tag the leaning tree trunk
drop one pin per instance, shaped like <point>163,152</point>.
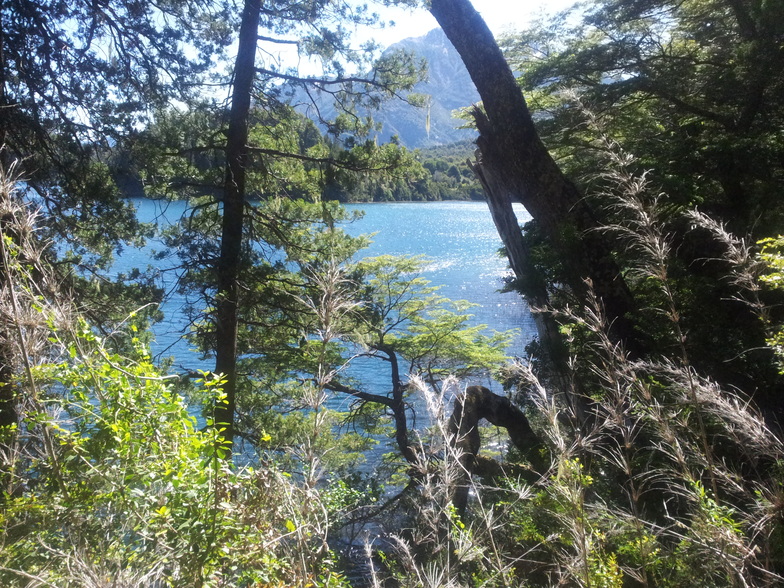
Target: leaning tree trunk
<point>518,254</point>
<point>522,170</point>
<point>229,261</point>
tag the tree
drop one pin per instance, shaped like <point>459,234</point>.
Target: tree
<point>228,262</point>
<point>402,322</point>
<point>692,92</point>
<point>636,69</point>
<point>346,318</point>
<point>78,77</point>
<point>386,78</point>
<point>693,89</point>
<point>120,481</point>
<point>267,152</point>
<point>515,166</point>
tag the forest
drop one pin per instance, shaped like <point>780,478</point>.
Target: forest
<point>638,438</point>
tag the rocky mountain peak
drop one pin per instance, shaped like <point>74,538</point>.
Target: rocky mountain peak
<point>449,87</point>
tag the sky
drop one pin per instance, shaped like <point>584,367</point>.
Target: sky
<point>500,15</point>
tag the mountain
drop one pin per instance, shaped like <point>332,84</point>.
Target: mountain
<point>449,87</point>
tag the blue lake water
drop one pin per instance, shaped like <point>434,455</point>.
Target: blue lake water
<point>458,237</point>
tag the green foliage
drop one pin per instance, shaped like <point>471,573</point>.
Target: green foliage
<point>679,85</point>
<point>659,476</point>
<point>772,255</point>
<point>403,312</point>
<point>657,465</point>
<point>450,176</point>
<point>76,79</point>
<point>648,487</point>
<point>436,173</point>
<point>725,339</point>
<point>130,486</point>
<point>106,473</point>
<point>375,309</point>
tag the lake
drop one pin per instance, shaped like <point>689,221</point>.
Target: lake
<point>458,237</point>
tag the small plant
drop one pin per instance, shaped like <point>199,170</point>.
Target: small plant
<point>772,255</point>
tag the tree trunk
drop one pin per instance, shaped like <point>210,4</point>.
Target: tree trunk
<point>523,170</point>
<point>480,403</point>
<point>519,257</point>
<point>229,261</point>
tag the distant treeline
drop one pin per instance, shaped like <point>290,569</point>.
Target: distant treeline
<point>435,173</point>
<point>314,165</point>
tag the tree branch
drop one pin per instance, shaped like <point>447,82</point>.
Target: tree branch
<point>320,81</point>
<point>364,396</point>
<point>480,403</point>
<point>308,158</point>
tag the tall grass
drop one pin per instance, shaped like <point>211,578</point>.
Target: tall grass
<point>655,474</point>
<point>658,476</point>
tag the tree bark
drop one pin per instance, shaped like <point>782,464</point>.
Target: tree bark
<point>523,170</point>
<point>229,261</point>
